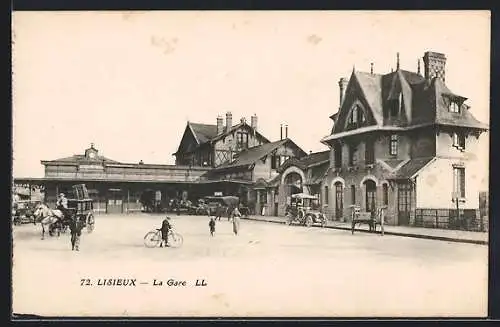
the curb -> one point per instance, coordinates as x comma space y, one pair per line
428, 237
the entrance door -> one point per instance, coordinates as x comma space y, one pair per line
371, 190
114, 202
404, 204
339, 201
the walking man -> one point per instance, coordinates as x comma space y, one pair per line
211, 224
76, 227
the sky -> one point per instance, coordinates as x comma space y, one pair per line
129, 81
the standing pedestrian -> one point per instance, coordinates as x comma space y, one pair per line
211, 224
236, 221
218, 211
76, 226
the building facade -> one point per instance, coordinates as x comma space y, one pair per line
116, 187
208, 145
404, 141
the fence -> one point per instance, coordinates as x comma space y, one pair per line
468, 219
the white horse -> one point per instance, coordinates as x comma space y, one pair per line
48, 218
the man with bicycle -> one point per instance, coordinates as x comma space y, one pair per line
165, 229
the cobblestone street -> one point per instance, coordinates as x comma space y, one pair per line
267, 270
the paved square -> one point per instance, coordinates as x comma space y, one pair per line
267, 270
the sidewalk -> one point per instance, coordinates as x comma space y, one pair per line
417, 232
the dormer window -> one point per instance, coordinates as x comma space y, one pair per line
356, 118
459, 141
454, 106
396, 106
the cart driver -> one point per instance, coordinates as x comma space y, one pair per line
62, 204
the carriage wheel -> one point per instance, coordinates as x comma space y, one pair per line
175, 240
90, 223
309, 221
323, 221
152, 239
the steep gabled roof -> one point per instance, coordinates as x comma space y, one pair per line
445, 117
410, 168
312, 159
203, 132
371, 84
251, 155
318, 173
424, 102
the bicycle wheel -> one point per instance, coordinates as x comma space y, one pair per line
152, 239
175, 240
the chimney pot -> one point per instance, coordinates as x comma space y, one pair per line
220, 125
286, 131
434, 65
254, 121
229, 120
342, 88
281, 132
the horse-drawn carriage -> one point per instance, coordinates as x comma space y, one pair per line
81, 206
23, 211
227, 205
301, 211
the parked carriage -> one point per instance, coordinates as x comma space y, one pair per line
301, 211
22, 211
82, 206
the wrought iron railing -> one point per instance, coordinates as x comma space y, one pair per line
463, 219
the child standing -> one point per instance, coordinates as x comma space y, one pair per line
211, 224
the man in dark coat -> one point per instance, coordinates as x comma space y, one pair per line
165, 229
211, 224
75, 226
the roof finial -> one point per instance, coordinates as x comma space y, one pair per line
92, 145
397, 61
371, 68
353, 68
418, 66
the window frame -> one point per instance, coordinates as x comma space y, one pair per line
459, 140
369, 152
393, 144
385, 194
326, 195
454, 107
352, 150
337, 155
459, 187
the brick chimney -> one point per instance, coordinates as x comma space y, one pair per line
220, 125
342, 87
254, 122
434, 65
229, 120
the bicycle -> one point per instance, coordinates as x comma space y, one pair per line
153, 238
